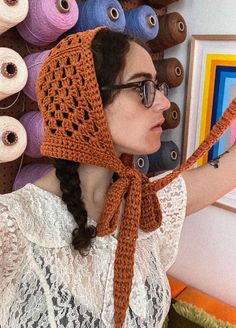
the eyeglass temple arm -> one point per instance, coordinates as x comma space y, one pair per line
122, 86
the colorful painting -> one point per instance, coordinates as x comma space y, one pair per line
219, 90
211, 88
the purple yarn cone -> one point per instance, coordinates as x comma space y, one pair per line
30, 173
34, 63
45, 22
33, 124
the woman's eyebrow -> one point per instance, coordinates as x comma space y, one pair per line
146, 75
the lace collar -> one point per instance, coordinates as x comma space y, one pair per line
44, 219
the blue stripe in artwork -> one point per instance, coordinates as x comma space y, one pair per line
219, 100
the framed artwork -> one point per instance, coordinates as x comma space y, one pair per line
211, 87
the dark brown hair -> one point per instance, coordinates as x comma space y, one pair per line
109, 51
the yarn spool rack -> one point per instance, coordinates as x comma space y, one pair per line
8, 171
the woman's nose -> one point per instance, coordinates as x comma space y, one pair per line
161, 102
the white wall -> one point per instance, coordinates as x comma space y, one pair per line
207, 253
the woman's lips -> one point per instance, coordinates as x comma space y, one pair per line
157, 128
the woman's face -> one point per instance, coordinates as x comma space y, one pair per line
130, 122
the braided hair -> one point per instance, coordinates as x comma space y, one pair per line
105, 44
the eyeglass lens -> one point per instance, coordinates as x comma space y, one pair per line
163, 88
149, 92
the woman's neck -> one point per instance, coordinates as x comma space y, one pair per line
94, 183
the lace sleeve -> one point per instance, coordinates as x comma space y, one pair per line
12, 250
173, 199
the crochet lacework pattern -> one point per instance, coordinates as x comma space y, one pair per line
69, 98
76, 129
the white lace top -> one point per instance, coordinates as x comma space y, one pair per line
44, 282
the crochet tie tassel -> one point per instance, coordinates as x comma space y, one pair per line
75, 128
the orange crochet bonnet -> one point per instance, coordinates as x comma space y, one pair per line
75, 128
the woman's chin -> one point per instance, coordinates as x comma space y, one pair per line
141, 151
152, 150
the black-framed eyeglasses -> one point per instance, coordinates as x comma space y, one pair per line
146, 89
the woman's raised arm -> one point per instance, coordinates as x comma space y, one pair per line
210, 182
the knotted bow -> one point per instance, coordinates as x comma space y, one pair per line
140, 201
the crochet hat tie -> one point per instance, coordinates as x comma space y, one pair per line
75, 128
137, 187
142, 210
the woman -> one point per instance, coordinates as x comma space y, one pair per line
89, 244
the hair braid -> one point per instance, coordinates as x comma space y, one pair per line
104, 46
66, 172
